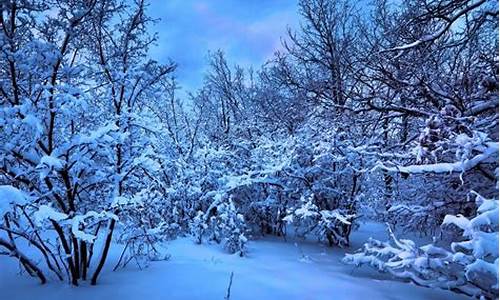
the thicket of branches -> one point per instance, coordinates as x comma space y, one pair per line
387, 112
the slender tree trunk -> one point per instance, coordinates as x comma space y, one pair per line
104, 253
67, 251
83, 259
76, 257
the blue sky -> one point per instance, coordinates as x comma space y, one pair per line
248, 31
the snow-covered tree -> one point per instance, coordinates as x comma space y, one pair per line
74, 128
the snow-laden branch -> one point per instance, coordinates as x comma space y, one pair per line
460, 166
482, 106
424, 39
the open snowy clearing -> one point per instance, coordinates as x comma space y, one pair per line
273, 270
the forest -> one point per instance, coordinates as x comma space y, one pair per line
371, 136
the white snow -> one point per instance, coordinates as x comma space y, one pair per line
274, 269
51, 162
9, 196
46, 212
80, 234
460, 166
99, 133
460, 221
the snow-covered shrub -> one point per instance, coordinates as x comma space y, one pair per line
323, 185
75, 127
145, 221
141, 245
233, 228
414, 209
265, 216
478, 252
12, 203
198, 227
26, 220
469, 265
450, 159
222, 224
328, 225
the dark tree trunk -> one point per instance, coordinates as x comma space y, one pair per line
104, 252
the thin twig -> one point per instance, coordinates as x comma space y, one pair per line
228, 292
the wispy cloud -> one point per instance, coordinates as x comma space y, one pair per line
248, 31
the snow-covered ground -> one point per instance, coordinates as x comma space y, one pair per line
273, 270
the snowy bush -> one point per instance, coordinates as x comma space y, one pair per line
75, 134
221, 224
198, 227
332, 226
462, 160
469, 265
232, 226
